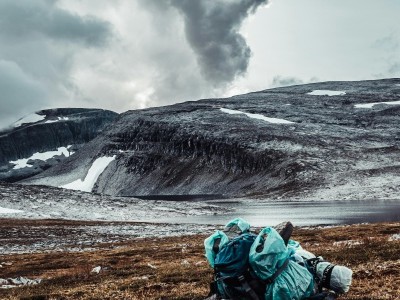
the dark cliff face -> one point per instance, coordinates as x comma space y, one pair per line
331, 148
49, 130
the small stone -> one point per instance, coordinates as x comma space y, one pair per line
185, 262
151, 266
96, 270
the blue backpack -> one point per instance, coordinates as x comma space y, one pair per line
234, 278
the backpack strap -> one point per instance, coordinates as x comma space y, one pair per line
326, 276
278, 272
312, 267
247, 288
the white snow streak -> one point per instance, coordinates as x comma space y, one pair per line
32, 118
256, 116
9, 211
370, 105
327, 93
58, 119
23, 162
98, 166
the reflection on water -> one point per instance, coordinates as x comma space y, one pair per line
263, 213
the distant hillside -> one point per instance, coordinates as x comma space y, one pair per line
330, 140
43, 139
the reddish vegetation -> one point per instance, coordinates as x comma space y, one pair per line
175, 268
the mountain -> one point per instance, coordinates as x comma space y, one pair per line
330, 140
43, 139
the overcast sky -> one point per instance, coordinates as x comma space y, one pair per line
130, 54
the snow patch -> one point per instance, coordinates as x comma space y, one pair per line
32, 118
58, 119
370, 105
9, 211
327, 93
395, 237
98, 166
23, 162
256, 116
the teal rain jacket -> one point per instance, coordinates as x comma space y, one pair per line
267, 254
243, 225
209, 244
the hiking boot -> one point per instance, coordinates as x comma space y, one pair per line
285, 230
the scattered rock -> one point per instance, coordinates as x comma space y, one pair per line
185, 262
96, 270
151, 266
19, 281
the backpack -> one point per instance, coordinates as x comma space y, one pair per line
233, 276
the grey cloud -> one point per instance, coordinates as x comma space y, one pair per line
279, 80
39, 43
212, 30
390, 43
18, 90
394, 69
29, 18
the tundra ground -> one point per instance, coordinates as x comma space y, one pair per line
175, 267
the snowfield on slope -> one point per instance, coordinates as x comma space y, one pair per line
86, 185
256, 116
58, 119
23, 162
326, 93
371, 105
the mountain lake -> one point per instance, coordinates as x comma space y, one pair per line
300, 213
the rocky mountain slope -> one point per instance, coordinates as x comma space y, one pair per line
331, 140
43, 139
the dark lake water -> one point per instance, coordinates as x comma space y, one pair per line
301, 213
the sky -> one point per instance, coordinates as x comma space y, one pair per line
132, 54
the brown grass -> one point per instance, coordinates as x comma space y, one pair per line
175, 268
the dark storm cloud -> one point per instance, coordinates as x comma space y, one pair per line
38, 42
211, 28
27, 18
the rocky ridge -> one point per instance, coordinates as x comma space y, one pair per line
331, 140
62, 129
